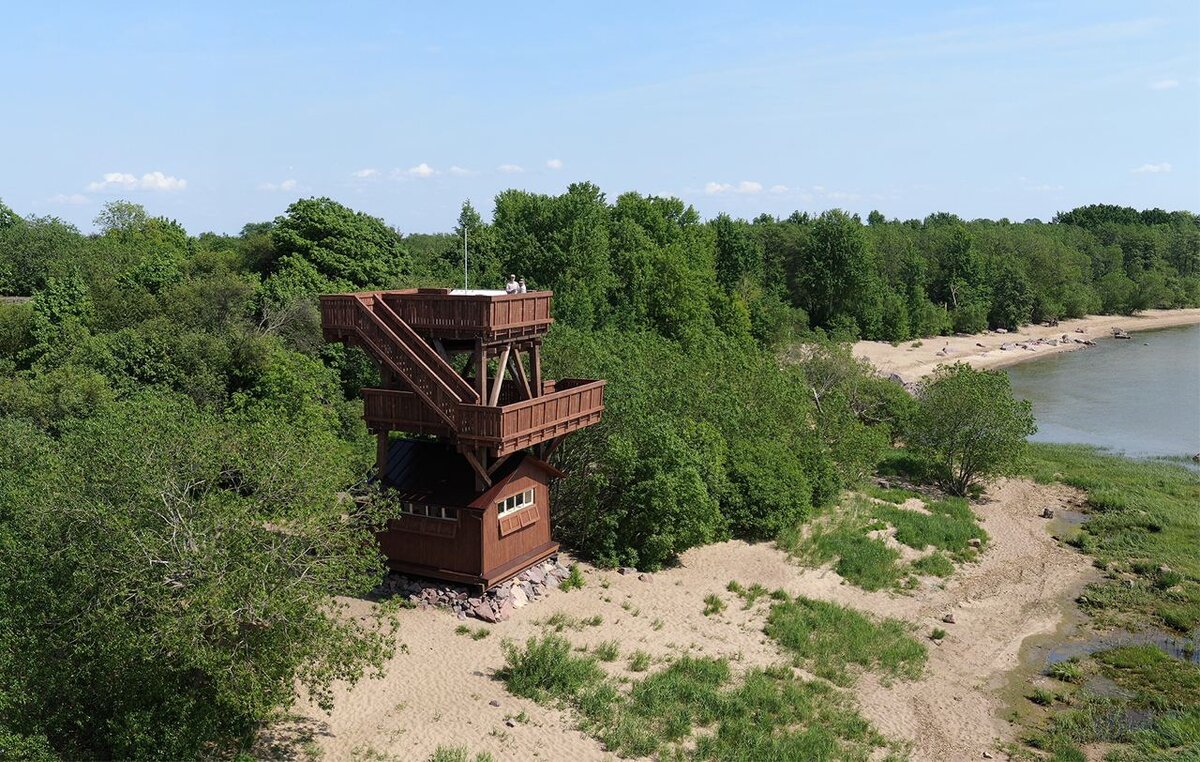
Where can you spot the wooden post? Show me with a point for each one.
(381, 453)
(498, 382)
(518, 370)
(536, 362)
(481, 379)
(482, 479)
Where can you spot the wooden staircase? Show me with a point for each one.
(423, 393)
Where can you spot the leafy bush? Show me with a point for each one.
(968, 426)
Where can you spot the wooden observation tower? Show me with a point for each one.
(463, 367)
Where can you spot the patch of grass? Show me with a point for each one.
(937, 634)
(826, 638)
(713, 604)
(896, 495)
(609, 650)
(949, 526)
(868, 562)
(546, 669)
(656, 625)
(769, 714)
(1068, 671)
(478, 633)
(560, 621)
(935, 565)
(574, 580)
(749, 595)
(1041, 697)
(639, 661)
(458, 754)
(807, 721)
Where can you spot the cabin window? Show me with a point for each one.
(515, 502)
(429, 511)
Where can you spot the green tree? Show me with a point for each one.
(343, 248)
(968, 426)
(167, 578)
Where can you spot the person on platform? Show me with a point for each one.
(522, 287)
(511, 287)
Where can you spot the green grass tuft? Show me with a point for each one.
(713, 604)
(826, 638)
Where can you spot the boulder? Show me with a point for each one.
(505, 610)
(484, 611)
(519, 598)
(948, 619)
(627, 570)
(646, 577)
(1047, 513)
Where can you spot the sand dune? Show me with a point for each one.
(441, 689)
(983, 350)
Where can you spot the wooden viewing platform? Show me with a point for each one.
(464, 367)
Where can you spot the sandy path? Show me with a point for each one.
(911, 363)
(439, 691)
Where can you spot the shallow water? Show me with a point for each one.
(1140, 397)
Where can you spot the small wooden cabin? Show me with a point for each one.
(448, 530)
(463, 367)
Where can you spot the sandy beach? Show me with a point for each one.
(440, 689)
(913, 359)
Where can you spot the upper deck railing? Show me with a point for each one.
(448, 314)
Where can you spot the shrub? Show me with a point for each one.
(968, 426)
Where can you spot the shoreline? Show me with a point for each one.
(983, 350)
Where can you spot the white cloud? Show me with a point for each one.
(364, 174)
(1164, 84)
(73, 199)
(459, 171)
(1160, 168)
(745, 186)
(554, 163)
(286, 185)
(779, 189)
(155, 181)
(510, 169)
(421, 170)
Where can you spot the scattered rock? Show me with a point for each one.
(494, 702)
(627, 570)
(1047, 513)
(495, 605)
(1001, 330)
(975, 542)
(511, 723)
(948, 619)
(987, 755)
(646, 577)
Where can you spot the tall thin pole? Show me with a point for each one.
(464, 256)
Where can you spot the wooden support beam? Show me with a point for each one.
(481, 472)
(536, 363)
(548, 448)
(498, 382)
(440, 348)
(481, 379)
(496, 466)
(381, 453)
(518, 370)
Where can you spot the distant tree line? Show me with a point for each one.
(178, 437)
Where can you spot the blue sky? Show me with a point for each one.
(218, 114)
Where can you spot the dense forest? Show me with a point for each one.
(179, 441)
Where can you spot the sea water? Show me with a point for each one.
(1139, 397)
